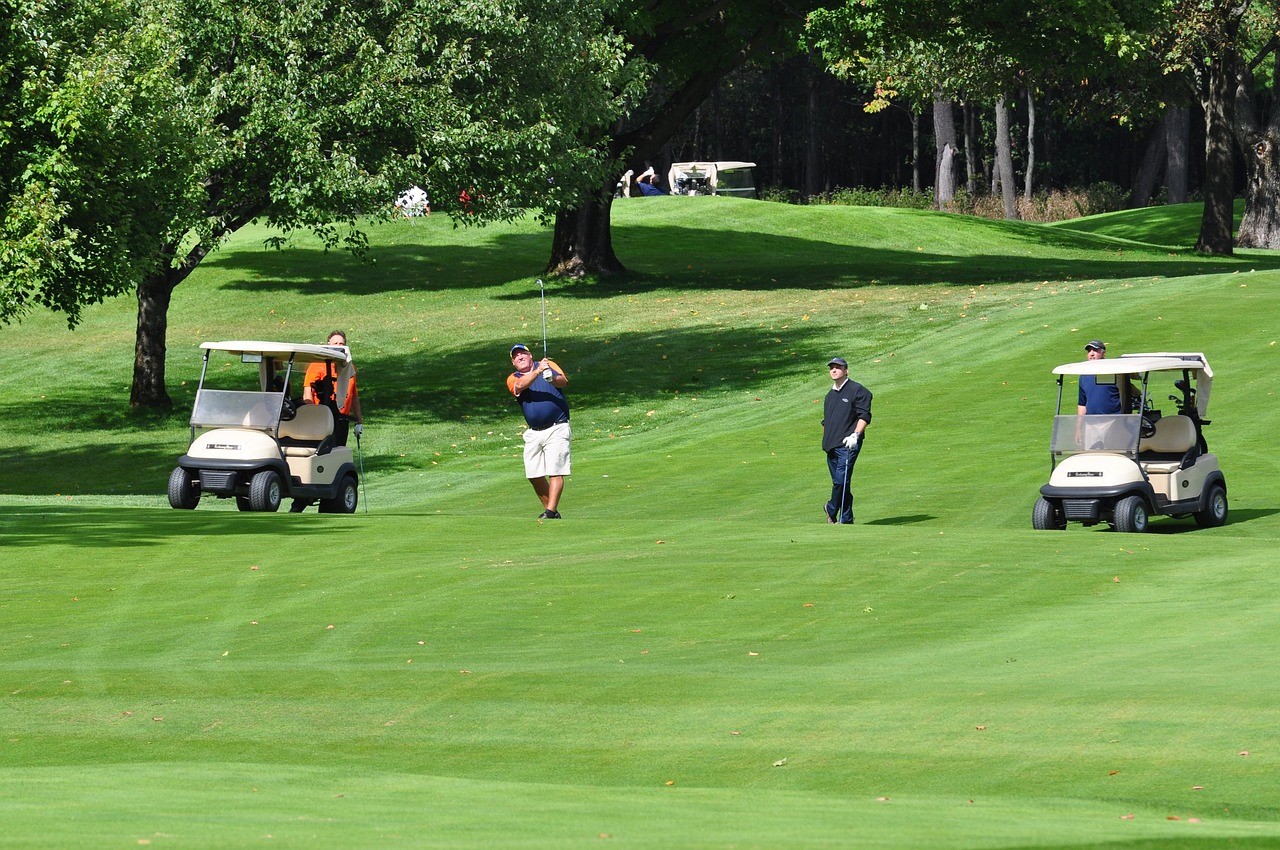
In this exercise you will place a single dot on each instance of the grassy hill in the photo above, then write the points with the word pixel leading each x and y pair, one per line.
pixel 692 658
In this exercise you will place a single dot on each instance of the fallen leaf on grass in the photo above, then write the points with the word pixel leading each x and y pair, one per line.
pixel 980 728
pixel 1126 817
pixel 670 782
pixel 1244 752
pixel 465 672
pixel 753 654
pixel 780 762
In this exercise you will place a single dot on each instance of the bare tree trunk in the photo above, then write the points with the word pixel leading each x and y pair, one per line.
pixel 915 150
pixel 1153 158
pixel 1219 164
pixel 944 135
pixel 971 167
pixel 1260 226
pixel 1004 161
pixel 812 185
pixel 149 346
pixel 583 241
pixel 1177 135
pixel 1031 139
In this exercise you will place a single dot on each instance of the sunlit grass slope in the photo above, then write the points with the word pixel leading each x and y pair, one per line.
pixel 692 658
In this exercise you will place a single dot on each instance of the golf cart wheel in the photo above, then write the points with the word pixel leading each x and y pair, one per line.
pixel 1131 515
pixel 1215 511
pixel 184 489
pixel 243 503
pixel 347 499
pixel 264 491
pixel 1047 516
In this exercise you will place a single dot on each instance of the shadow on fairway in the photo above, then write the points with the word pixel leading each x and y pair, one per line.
pixel 604 371
pixel 910 519
pixel 95 528
pixel 747 260
pixel 1243 515
pixel 128 468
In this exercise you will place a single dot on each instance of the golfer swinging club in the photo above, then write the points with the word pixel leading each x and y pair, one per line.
pixel 538 387
pixel 846 413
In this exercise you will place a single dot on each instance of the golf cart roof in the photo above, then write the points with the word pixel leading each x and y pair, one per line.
pixel 1136 364
pixel 297 352
pixel 1160 361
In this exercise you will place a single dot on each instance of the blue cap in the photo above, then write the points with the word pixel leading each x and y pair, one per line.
pixel 519 346
pixel 838 361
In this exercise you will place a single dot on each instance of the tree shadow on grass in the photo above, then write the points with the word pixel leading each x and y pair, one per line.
pixel 910 519
pixel 604 371
pixel 742 260
pixel 105 527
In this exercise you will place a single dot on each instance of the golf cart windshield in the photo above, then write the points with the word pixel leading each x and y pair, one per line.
pixel 1094 433
pixel 237 408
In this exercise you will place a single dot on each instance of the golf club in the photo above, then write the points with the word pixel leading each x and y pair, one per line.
pixel 360 460
pixel 543 293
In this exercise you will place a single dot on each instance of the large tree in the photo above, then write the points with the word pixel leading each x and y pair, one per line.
pixel 683 47
pixel 138 134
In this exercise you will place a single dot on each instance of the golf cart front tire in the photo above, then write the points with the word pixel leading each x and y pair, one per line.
pixel 346 500
pixel 184 489
pixel 1047 516
pixel 1131 515
pixel 264 491
pixel 1215 510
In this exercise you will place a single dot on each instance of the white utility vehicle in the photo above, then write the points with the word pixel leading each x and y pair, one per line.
pixel 259 445
pixel 1124 468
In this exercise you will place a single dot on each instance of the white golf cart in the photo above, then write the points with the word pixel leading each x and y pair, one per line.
pixel 258 445
pixel 712 178
pixel 1124 468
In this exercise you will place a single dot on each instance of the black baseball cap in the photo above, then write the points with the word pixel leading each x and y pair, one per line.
pixel 519 346
pixel 838 361
pixel 1095 345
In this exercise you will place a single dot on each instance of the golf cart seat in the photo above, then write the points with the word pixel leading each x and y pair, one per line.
pixel 310 432
pixel 1167 450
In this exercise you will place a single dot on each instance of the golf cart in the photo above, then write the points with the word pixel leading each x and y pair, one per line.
pixel 712 178
pixel 1123 468
pixel 258 445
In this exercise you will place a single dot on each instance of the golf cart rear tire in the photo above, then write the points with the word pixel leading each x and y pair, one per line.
pixel 1215 511
pixel 184 489
pixel 1131 515
pixel 346 500
pixel 243 503
pixel 264 491
pixel 1047 516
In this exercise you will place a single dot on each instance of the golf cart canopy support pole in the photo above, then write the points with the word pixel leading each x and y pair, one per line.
pixel 1053 463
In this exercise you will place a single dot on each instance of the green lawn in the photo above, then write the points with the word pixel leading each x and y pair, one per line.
pixel 693 657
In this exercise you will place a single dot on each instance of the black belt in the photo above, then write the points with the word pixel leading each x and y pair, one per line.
pixel 548 427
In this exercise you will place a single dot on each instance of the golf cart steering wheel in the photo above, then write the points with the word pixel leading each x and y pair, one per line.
pixel 288 410
pixel 1148 427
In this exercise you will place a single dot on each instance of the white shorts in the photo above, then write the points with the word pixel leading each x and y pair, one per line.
pixel 547 452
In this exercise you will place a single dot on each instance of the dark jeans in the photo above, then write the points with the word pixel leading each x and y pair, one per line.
pixel 840 462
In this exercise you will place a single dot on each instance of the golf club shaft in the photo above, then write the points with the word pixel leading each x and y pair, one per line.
pixel 360 458
pixel 543 293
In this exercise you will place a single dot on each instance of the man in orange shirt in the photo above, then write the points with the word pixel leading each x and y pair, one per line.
pixel 319 386
pixel 538 387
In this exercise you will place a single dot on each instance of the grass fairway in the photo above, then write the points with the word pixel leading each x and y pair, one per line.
pixel 693 658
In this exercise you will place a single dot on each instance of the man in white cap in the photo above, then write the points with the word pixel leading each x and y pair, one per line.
pixel 846 413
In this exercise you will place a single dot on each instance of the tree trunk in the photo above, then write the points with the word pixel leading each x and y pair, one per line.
pixel 1004 161
pixel 1153 158
pixel 812 185
pixel 1177 133
pixel 1219 165
pixel 944 135
pixel 1031 140
pixel 1260 226
pixel 583 241
pixel 971 166
pixel 915 151
pixel 154 294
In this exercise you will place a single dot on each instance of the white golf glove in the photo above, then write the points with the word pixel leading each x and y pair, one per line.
pixel 359 428
pixel 851 441
pixel 548 373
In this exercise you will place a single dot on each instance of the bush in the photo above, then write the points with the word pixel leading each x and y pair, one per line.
pixel 858 197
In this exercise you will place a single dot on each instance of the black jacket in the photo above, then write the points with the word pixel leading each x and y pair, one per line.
pixel 841 411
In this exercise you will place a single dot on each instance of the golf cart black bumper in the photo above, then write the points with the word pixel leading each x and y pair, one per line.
pixel 1091 504
pixel 226 477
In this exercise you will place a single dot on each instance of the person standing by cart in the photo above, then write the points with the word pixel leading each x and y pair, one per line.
pixel 320 385
pixel 539 389
pixel 846 413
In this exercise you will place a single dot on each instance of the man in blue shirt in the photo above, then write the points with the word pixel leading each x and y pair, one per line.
pixel 1095 398
pixel 538 387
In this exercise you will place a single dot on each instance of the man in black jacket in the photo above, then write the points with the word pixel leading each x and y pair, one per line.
pixel 846 413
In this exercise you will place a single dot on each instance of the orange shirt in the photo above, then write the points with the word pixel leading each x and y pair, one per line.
pixel 317 371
